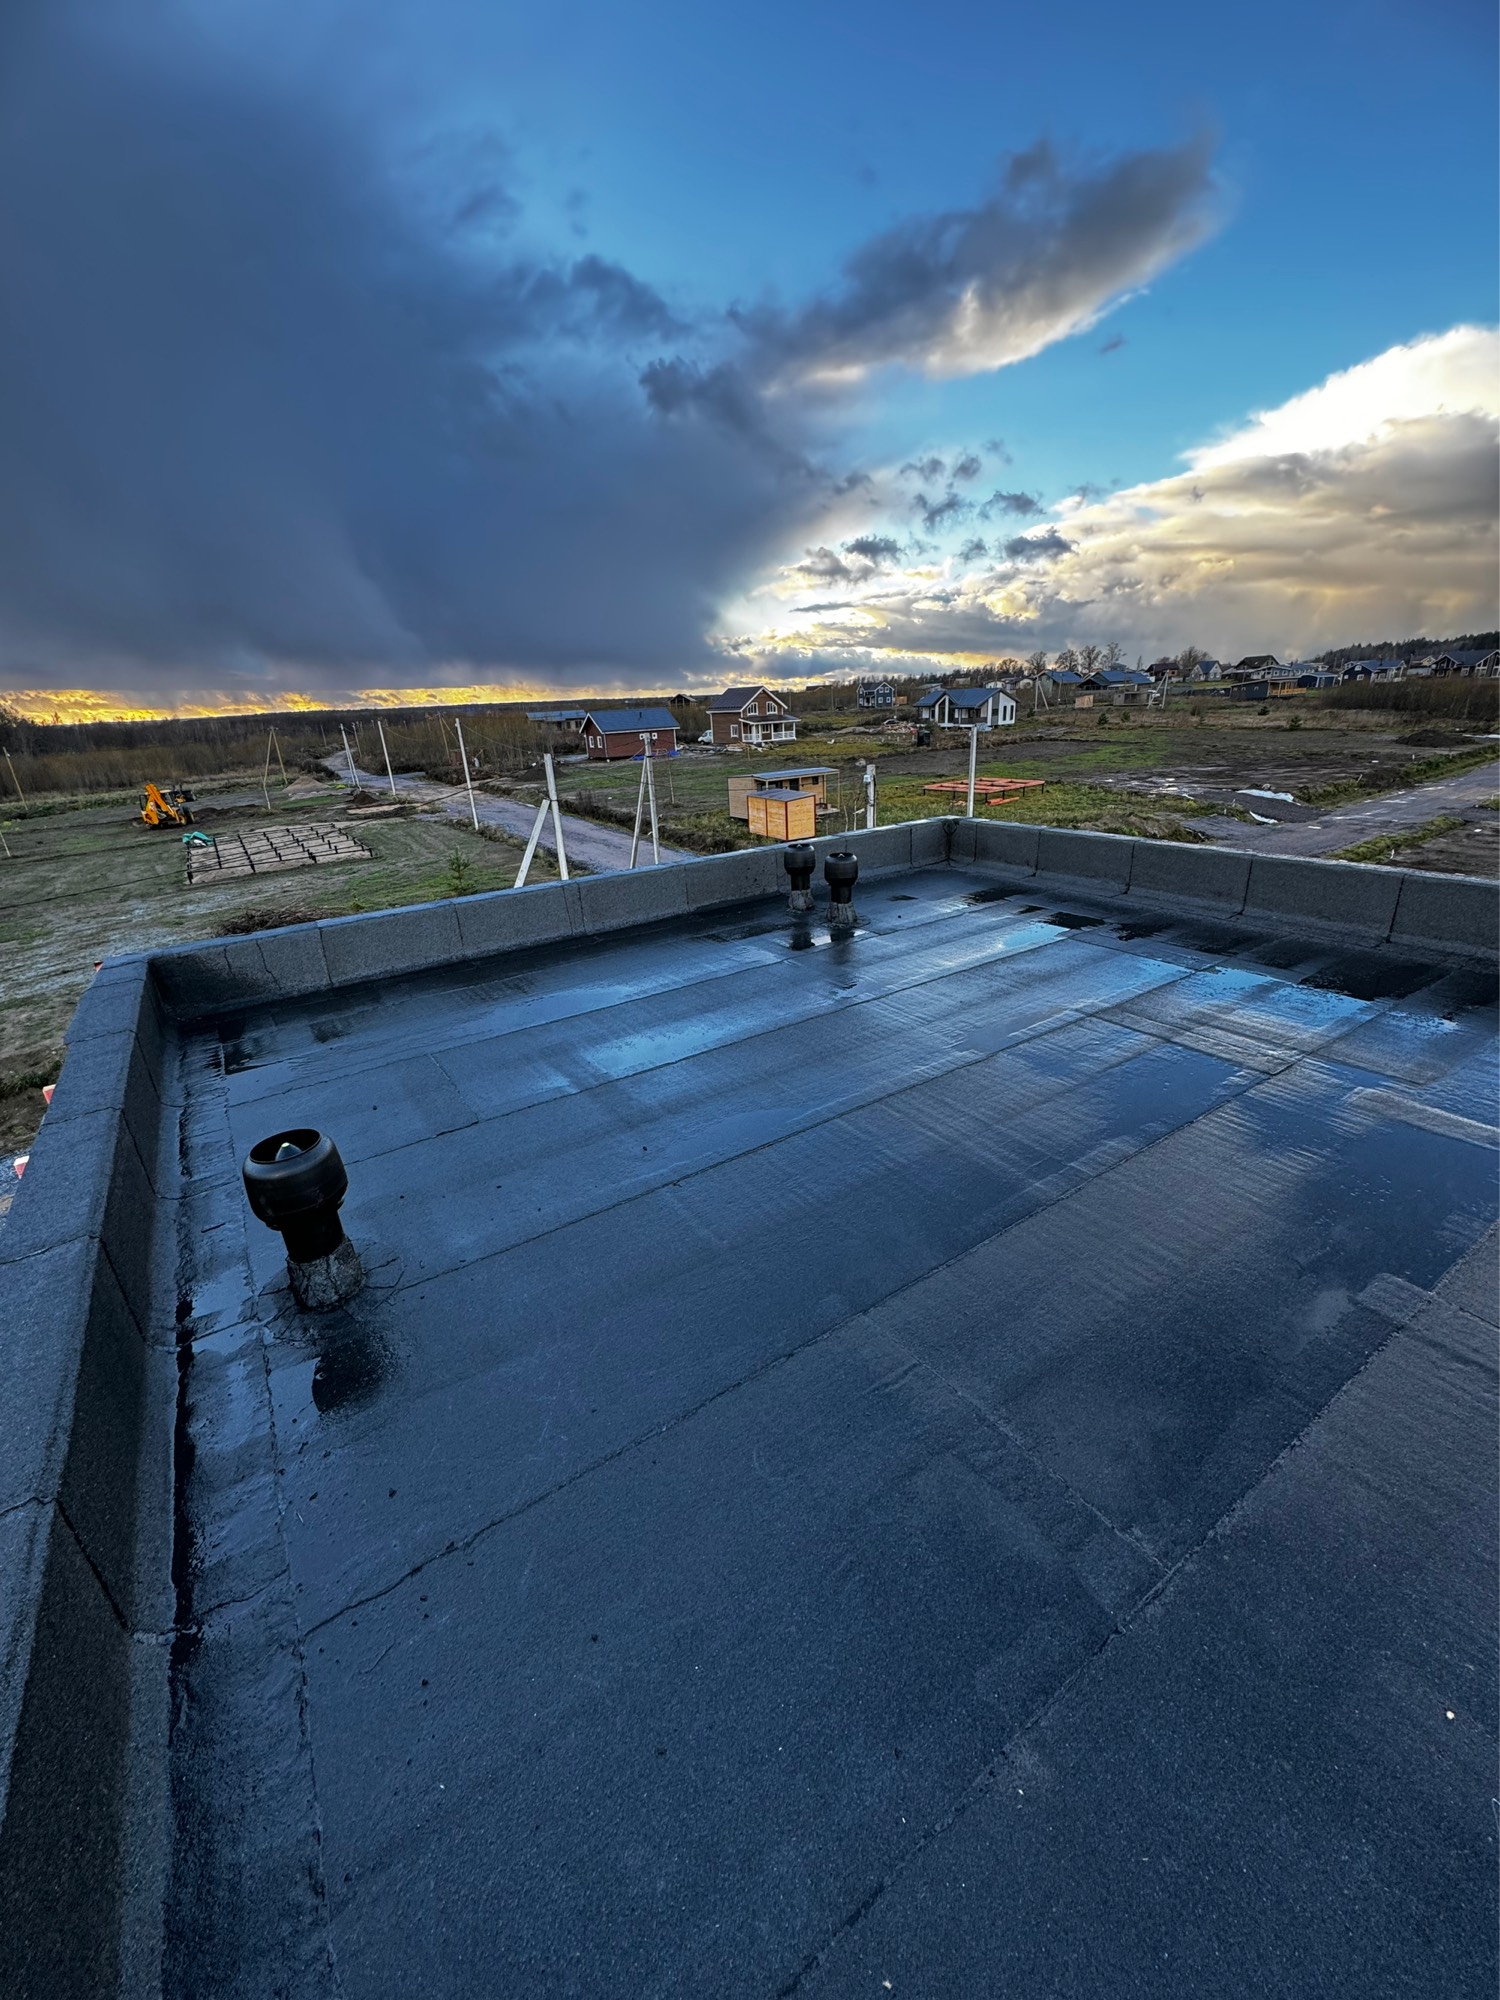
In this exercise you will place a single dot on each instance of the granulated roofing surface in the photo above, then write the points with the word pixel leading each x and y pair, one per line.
pixel 953 1461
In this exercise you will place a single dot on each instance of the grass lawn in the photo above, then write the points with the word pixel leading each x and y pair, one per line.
pixel 86 883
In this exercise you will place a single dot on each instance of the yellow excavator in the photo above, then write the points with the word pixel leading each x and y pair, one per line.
pixel 167 808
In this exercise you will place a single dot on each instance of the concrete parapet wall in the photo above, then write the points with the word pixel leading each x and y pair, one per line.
pixel 1452 914
pixel 85 1488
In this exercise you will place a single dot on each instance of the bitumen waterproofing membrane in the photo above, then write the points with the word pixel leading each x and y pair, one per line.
pixel 957 1459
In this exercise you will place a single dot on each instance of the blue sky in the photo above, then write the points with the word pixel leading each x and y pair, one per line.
pixel 367 345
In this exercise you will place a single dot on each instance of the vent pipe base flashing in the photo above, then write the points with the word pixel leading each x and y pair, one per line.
pixel 322 1283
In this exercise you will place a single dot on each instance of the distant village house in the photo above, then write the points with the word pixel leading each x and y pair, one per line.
pixel 613 733
pixel 748 717
pixel 964 708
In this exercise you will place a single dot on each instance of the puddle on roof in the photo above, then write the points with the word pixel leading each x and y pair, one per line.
pixel 350 1372
pixel 1069 920
pixel 1368 975
pixel 995 895
pixel 1467 988
pixel 1142 927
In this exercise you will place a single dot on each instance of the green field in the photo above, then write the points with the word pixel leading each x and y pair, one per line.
pixel 79 885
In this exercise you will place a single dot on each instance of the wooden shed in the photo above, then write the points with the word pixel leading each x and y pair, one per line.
pixel 779 814
pixel 813 780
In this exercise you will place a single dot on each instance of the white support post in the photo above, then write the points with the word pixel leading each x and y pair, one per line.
pixel 468 780
pixel 870 795
pixel 562 853
pixel 379 730
pixel 265 776
pixel 285 780
pixel 349 754
pixel 640 807
pixel 648 738
pixel 526 859
pixel 973 759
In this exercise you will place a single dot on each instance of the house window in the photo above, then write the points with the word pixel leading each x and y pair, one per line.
pixel 734 729
pixel 754 708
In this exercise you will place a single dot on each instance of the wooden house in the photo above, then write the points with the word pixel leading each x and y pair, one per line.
pixel 611 733
pixel 744 718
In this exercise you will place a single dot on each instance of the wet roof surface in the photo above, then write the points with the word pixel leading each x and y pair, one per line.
pixel 805 1500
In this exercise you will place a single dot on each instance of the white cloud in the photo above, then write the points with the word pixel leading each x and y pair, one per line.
pixel 1366 506
pixel 1444 374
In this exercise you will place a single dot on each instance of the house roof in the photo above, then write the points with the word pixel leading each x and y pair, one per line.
pixel 802 771
pixel 1065 675
pixel 1258 660
pixel 1466 656
pixel 620 721
pixel 1047 1338
pixel 740 697
pixel 556 714
pixel 932 697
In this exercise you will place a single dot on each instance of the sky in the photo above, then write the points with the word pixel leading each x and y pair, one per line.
pixel 355 351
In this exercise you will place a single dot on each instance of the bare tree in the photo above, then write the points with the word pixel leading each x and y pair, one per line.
pixel 1090 658
pixel 1114 653
pixel 1037 662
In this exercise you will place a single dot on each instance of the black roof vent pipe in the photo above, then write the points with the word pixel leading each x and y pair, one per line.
pixel 841 872
pixel 295 1183
pixel 799 861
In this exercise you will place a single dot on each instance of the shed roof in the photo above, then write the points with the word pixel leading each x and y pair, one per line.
pixel 802 771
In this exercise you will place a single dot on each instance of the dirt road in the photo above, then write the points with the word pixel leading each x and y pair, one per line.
pixel 1362 819
pixel 602 850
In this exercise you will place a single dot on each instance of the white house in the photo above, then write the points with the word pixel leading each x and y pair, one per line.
pixel 962 708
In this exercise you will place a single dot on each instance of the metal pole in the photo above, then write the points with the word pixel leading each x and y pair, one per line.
pixel 15 780
pixel 6 845
pixel 869 795
pixel 265 776
pixel 648 738
pixel 464 759
pixel 973 757
pixel 349 754
pixel 387 756
pixel 562 853
pixel 285 780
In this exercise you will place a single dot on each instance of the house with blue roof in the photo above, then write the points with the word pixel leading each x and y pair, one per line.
pixel 612 733
pixel 967 708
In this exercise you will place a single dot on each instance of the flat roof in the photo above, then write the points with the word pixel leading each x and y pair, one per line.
pixel 801 771
pixel 957 1459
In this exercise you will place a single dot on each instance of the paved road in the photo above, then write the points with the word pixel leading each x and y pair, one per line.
pixel 602 850
pixel 1363 819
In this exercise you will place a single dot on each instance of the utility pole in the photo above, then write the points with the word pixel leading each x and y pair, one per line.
pixel 869 795
pixel 387 756
pixel 285 780
pixel 16 781
pixel 973 760
pixel 468 780
pixel 265 776
pixel 353 780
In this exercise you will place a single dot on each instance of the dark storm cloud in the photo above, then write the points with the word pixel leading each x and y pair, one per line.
pixel 875 548
pixel 976 289
pixel 1030 548
pixel 952 507
pixel 973 551
pixel 259 406
pixel 923 468
pixel 967 467
pixel 284 397
pixel 1024 505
